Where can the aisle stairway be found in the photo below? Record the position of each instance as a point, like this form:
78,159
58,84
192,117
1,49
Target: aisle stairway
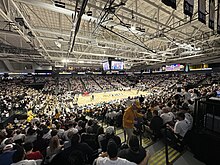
96,82
159,157
157,151
83,84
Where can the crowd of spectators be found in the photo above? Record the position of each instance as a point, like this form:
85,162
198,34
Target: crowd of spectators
193,78
90,84
104,84
115,81
56,132
76,85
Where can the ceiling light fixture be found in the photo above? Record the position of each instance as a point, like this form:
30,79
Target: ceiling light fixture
65,60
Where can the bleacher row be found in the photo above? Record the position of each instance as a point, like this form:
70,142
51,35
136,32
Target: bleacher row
99,83
53,129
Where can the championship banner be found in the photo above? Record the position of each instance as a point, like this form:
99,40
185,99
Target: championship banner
201,11
218,18
171,3
188,7
211,14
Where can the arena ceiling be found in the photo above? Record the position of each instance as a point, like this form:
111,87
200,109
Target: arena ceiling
141,32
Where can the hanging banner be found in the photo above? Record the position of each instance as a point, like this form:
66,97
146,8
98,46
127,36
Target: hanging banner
171,3
211,14
188,7
201,11
218,18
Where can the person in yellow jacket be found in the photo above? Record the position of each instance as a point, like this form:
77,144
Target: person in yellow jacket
129,117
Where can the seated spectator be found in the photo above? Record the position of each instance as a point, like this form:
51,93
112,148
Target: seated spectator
101,135
31,135
47,133
76,148
181,126
135,153
70,134
18,158
91,139
54,146
110,134
53,132
18,136
89,126
176,134
167,116
3,138
40,144
95,126
188,116
6,156
112,158
155,125
60,132
30,155
80,126
71,125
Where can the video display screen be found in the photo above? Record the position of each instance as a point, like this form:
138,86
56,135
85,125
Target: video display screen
173,67
117,65
106,66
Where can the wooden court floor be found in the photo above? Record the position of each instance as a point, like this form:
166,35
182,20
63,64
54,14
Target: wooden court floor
108,96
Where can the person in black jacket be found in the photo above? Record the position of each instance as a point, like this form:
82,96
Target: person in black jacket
135,153
155,125
77,152
109,134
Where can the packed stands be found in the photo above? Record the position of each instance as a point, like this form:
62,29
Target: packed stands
90,84
54,126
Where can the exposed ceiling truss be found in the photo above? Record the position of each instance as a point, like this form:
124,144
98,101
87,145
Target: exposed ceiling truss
138,31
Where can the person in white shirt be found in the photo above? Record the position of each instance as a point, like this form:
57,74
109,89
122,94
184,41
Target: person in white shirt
18,135
181,126
177,134
187,95
167,116
110,157
188,116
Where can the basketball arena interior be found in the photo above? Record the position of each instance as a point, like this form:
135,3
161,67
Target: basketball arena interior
109,82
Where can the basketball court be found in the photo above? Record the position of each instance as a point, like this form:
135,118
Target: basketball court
108,96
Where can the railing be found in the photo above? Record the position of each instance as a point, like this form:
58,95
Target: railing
207,115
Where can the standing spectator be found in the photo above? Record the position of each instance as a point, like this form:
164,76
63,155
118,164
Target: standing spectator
130,117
